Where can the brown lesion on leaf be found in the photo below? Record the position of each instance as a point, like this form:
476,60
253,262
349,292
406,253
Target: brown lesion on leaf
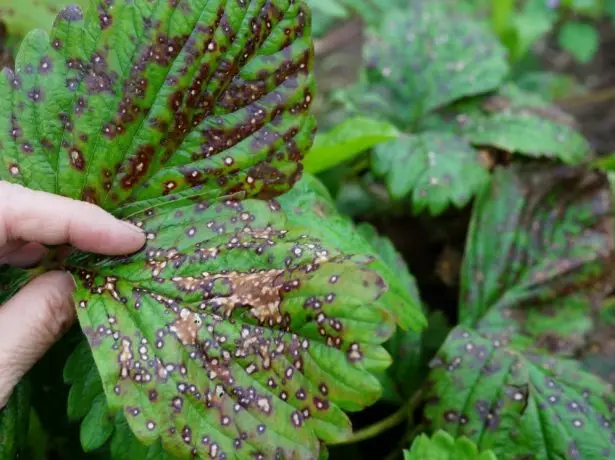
186,327
260,291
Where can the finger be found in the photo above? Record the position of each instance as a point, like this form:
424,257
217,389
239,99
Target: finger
49,219
30,323
24,255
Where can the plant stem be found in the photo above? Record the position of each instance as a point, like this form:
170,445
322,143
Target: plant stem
385,424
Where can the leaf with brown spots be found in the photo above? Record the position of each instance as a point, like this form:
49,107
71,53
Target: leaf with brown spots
520,405
539,256
243,328
148,101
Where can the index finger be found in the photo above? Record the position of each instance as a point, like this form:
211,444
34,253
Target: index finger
45,218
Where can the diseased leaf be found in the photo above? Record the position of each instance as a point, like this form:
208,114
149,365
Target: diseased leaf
135,101
347,140
598,355
442,446
242,328
539,256
518,405
521,122
430,54
439,169
516,121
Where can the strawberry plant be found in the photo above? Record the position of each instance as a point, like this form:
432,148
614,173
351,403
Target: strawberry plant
260,320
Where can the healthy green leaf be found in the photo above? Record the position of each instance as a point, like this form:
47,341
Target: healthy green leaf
249,323
132,102
430,54
329,7
24,16
442,446
518,405
14,420
347,140
580,39
539,255
439,169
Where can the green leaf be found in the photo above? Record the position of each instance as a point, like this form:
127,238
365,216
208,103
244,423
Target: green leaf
97,425
521,122
430,54
518,405
252,321
598,355
516,121
14,419
439,169
22,17
331,8
134,103
550,85
346,141
539,255
442,446
580,39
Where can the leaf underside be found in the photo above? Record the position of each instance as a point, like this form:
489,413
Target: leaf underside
518,405
539,256
143,102
437,168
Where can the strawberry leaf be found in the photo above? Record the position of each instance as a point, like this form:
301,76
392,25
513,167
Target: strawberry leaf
443,446
430,54
539,256
136,102
521,122
439,169
518,405
22,17
243,327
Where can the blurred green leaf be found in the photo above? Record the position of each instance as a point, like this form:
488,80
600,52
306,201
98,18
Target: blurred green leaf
430,54
347,140
439,169
580,39
539,254
442,446
97,426
331,8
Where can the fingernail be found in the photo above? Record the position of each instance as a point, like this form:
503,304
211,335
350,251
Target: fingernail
132,227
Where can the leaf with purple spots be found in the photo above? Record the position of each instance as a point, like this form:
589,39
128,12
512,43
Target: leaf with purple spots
539,256
242,328
442,446
437,169
142,102
431,54
518,405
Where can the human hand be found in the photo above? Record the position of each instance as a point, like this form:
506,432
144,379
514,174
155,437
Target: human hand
37,316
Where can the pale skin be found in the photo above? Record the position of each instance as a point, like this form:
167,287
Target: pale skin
38,315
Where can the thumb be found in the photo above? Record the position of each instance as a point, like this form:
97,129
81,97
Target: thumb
30,323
